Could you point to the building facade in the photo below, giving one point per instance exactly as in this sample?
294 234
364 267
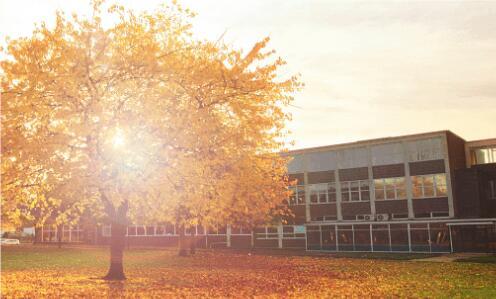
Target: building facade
431 192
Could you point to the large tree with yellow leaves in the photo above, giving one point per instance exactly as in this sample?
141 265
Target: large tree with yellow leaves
145 121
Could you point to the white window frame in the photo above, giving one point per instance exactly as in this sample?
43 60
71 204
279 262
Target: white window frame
296 195
292 235
266 235
321 189
396 188
435 185
348 183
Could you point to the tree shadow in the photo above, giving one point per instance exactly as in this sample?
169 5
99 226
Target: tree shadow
116 288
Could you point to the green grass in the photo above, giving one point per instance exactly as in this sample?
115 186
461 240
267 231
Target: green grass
46 271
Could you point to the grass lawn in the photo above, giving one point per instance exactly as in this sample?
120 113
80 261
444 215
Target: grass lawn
33 272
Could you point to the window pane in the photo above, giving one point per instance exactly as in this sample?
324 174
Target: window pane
314 198
416 181
390 192
160 230
355 196
379 194
332 197
440 179
364 185
322 198
428 181
428 191
331 188
417 192
354 186
441 191
378 184
345 196
150 230
400 193
365 195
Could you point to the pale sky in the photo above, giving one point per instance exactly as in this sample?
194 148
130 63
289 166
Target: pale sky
371 69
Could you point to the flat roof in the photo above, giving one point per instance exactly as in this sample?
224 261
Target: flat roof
370 141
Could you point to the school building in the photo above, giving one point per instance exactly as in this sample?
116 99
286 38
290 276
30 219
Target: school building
430 192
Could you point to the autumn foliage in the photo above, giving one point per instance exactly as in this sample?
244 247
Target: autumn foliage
139 121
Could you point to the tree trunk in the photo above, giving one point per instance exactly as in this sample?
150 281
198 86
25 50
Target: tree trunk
117 243
38 237
60 233
192 245
182 242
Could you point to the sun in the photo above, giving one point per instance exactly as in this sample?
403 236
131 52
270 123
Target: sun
119 139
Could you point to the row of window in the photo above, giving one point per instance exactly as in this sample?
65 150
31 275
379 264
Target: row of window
267 232
170 230
423 186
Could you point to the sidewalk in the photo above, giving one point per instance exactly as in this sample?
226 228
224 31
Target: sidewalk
450 257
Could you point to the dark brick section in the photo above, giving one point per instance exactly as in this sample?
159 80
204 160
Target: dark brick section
267 243
320 177
299 177
457 160
351 209
299 216
427 205
391 206
388 171
471 192
293 243
240 241
456 151
323 210
427 167
353 174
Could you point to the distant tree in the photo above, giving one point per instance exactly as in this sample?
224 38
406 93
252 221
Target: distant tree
152 124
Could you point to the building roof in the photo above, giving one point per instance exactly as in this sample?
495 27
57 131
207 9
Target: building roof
370 142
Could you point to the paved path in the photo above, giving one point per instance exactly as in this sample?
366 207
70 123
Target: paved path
450 257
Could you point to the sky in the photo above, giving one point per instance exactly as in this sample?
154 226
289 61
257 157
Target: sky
371 69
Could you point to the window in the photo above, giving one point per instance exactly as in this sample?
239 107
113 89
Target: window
390 188
150 230
355 191
432 185
266 232
237 230
322 193
106 231
298 196
292 232
483 155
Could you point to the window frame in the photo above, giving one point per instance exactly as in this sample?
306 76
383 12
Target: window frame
396 188
434 185
350 192
314 190
294 198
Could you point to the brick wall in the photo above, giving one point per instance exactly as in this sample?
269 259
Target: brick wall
391 206
320 177
427 205
323 210
427 167
388 171
351 209
353 174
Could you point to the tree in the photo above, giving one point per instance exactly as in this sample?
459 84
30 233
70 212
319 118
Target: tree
152 123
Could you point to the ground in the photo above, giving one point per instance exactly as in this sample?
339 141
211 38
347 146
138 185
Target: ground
33 272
